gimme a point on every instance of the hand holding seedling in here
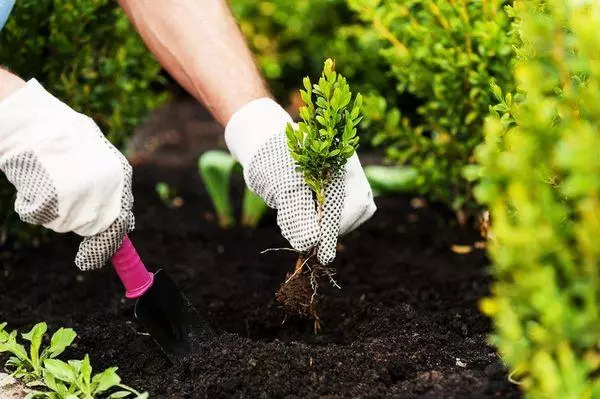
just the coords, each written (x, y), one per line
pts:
(310, 173)
(288, 178)
(321, 145)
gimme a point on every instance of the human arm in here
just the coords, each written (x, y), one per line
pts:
(199, 43)
(9, 83)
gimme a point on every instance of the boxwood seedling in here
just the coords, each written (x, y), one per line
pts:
(321, 145)
(216, 169)
(45, 376)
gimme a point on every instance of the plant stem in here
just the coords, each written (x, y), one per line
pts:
(320, 210)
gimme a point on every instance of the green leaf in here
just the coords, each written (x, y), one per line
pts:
(105, 380)
(86, 370)
(253, 209)
(472, 172)
(305, 97)
(307, 84)
(35, 336)
(289, 132)
(60, 340)
(348, 152)
(358, 101)
(305, 114)
(75, 365)
(119, 394)
(60, 370)
(321, 120)
(391, 179)
(215, 168)
(12, 346)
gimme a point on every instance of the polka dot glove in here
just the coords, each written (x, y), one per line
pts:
(68, 177)
(255, 135)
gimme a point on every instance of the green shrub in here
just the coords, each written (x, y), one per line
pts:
(290, 39)
(541, 181)
(441, 56)
(87, 54)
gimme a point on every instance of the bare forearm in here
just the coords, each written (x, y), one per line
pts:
(9, 83)
(199, 43)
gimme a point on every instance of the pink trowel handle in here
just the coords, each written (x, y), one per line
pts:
(132, 272)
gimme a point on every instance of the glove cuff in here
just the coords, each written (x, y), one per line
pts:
(28, 114)
(252, 125)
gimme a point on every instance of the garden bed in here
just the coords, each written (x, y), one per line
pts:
(405, 322)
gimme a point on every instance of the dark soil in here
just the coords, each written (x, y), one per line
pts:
(405, 323)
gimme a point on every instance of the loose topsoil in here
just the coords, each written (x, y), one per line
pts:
(405, 323)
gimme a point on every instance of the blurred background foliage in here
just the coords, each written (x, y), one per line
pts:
(424, 66)
(540, 164)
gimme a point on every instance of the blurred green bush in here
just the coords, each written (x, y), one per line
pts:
(442, 54)
(291, 39)
(87, 54)
(541, 181)
(425, 67)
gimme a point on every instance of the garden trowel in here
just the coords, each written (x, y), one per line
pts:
(161, 307)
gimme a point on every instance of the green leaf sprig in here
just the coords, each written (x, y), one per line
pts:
(326, 136)
(46, 376)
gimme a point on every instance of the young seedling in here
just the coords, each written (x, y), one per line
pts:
(45, 376)
(321, 145)
(168, 195)
(253, 209)
(216, 169)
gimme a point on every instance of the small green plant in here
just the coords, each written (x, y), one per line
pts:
(216, 169)
(326, 137)
(165, 193)
(45, 376)
(321, 145)
(540, 179)
(253, 209)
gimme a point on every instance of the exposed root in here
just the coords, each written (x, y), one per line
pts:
(279, 249)
(299, 294)
(299, 267)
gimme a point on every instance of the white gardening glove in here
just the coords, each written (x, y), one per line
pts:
(255, 136)
(67, 175)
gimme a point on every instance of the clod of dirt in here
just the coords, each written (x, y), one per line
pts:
(299, 294)
(10, 388)
(295, 296)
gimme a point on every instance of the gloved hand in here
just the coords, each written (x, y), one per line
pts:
(67, 175)
(255, 136)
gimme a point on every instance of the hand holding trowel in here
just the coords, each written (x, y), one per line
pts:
(161, 307)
